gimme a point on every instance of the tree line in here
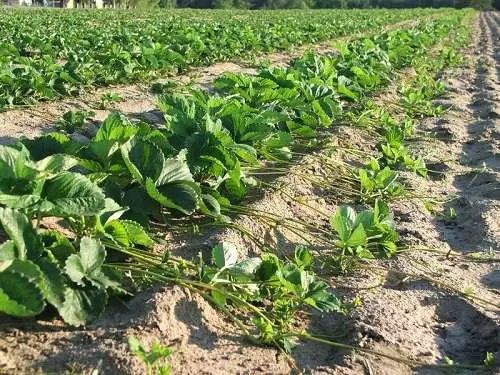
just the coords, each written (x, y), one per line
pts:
(344, 4)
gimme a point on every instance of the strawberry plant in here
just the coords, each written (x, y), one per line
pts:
(73, 120)
(195, 163)
(151, 357)
(109, 98)
(378, 183)
(142, 46)
(241, 289)
(40, 268)
(363, 235)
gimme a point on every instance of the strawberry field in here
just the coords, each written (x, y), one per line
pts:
(324, 201)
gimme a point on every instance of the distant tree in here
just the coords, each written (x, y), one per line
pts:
(223, 4)
(167, 3)
(303, 4)
(144, 4)
(481, 4)
(241, 4)
(331, 4)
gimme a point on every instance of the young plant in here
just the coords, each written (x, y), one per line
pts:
(290, 286)
(368, 234)
(416, 103)
(151, 358)
(394, 152)
(376, 182)
(73, 120)
(109, 98)
(261, 295)
(162, 88)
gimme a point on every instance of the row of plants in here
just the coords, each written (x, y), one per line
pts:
(192, 164)
(395, 131)
(130, 178)
(77, 50)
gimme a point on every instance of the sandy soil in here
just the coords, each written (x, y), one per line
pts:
(411, 318)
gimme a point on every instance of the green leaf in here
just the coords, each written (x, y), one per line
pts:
(111, 211)
(174, 170)
(268, 268)
(117, 231)
(303, 257)
(342, 222)
(50, 144)
(7, 251)
(209, 205)
(21, 288)
(9, 160)
(143, 159)
(54, 283)
(136, 233)
(218, 298)
(364, 253)
(136, 347)
(59, 246)
(87, 265)
(55, 163)
(19, 201)
(157, 352)
(489, 359)
(102, 151)
(148, 207)
(116, 127)
(72, 194)
(181, 195)
(20, 230)
(357, 238)
(235, 188)
(224, 255)
(82, 306)
(246, 153)
(246, 267)
(321, 298)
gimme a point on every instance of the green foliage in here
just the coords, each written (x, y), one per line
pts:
(489, 359)
(151, 357)
(394, 153)
(378, 183)
(109, 98)
(195, 164)
(291, 285)
(367, 234)
(21, 288)
(75, 285)
(144, 44)
(73, 120)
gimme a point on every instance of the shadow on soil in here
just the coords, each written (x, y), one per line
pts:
(470, 230)
(463, 333)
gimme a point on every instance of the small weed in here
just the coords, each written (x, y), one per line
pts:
(150, 357)
(109, 98)
(489, 359)
(376, 182)
(73, 120)
(448, 215)
(162, 88)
